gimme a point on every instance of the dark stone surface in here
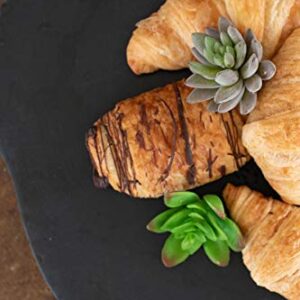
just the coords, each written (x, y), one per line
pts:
(62, 64)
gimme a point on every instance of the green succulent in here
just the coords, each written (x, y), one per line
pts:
(194, 222)
(229, 70)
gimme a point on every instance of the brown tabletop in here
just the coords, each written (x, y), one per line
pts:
(20, 278)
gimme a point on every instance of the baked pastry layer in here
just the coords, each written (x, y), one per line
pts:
(157, 142)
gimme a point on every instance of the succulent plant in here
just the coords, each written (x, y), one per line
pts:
(194, 222)
(229, 70)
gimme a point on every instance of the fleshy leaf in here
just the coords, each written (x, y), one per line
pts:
(254, 83)
(199, 57)
(225, 39)
(266, 70)
(217, 252)
(227, 77)
(196, 216)
(216, 204)
(249, 36)
(257, 49)
(200, 95)
(213, 220)
(193, 242)
(217, 46)
(182, 228)
(235, 35)
(207, 72)
(241, 51)
(207, 230)
(231, 104)
(227, 93)
(248, 103)
(198, 82)
(188, 241)
(230, 50)
(209, 43)
(223, 24)
(229, 60)
(177, 199)
(235, 239)
(219, 61)
(198, 206)
(172, 253)
(213, 32)
(250, 67)
(155, 224)
(212, 106)
(198, 41)
(209, 55)
(176, 219)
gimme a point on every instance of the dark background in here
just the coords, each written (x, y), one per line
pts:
(62, 65)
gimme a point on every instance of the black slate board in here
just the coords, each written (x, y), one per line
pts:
(62, 65)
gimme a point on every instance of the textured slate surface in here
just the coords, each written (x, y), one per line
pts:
(62, 64)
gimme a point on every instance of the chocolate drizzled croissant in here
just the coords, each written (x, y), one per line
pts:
(157, 142)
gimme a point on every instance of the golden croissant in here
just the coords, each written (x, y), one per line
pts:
(272, 135)
(163, 41)
(271, 230)
(157, 142)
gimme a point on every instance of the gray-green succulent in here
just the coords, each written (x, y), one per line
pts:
(229, 70)
(194, 222)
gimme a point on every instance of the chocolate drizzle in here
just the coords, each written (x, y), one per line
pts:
(222, 170)
(191, 172)
(167, 170)
(210, 162)
(140, 139)
(232, 136)
(100, 181)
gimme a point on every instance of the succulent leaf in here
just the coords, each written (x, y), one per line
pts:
(215, 203)
(231, 104)
(198, 82)
(234, 236)
(223, 24)
(199, 57)
(227, 77)
(209, 55)
(175, 219)
(256, 48)
(207, 230)
(155, 225)
(178, 199)
(212, 106)
(266, 70)
(198, 41)
(235, 35)
(240, 54)
(219, 60)
(200, 95)
(217, 252)
(225, 93)
(229, 60)
(172, 253)
(225, 39)
(213, 32)
(254, 83)
(249, 36)
(250, 67)
(208, 72)
(248, 103)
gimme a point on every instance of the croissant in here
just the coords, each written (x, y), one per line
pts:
(163, 41)
(272, 133)
(271, 230)
(155, 143)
